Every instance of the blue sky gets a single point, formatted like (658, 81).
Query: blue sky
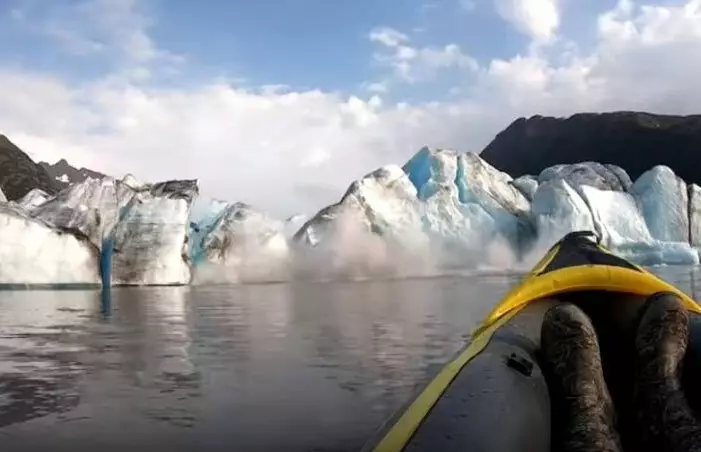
(259, 98)
(303, 44)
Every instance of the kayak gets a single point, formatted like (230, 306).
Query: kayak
(493, 395)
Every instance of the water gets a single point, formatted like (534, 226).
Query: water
(291, 367)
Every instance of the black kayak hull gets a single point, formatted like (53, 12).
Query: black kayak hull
(494, 395)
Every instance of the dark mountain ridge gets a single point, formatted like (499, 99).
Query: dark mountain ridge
(65, 174)
(19, 174)
(635, 141)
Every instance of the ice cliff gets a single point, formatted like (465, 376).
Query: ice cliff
(456, 204)
(442, 209)
(236, 243)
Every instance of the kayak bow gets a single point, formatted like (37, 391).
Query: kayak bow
(493, 395)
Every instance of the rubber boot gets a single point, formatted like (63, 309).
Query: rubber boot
(665, 420)
(583, 413)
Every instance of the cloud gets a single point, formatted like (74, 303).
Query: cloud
(117, 29)
(539, 19)
(414, 64)
(287, 151)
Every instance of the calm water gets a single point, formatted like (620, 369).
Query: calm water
(271, 367)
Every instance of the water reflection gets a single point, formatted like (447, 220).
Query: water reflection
(269, 367)
(39, 349)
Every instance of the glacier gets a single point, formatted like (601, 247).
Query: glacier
(664, 198)
(150, 237)
(34, 198)
(239, 244)
(34, 252)
(440, 211)
(460, 207)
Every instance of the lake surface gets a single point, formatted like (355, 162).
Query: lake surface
(294, 367)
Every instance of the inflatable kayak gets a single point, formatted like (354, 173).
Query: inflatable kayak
(493, 396)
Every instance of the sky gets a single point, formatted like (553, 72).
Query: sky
(283, 103)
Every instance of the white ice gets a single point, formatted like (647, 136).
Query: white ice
(664, 201)
(150, 240)
(35, 198)
(527, 185)
(33, 252)
(695, 215)
(243, 245)
(90, 207)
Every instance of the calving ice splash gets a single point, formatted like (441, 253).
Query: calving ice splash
(442, 211)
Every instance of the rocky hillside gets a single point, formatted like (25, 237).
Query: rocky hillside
(19, 174)
(635, 141)
(65, 174)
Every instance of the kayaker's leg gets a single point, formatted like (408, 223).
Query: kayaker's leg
(582, 408)
(661, 340)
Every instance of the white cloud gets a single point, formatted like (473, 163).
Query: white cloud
(539, 19)
(116, 28)
(288, 151)
(414, 64)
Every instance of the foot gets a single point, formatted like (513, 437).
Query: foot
(665, 420)
(582, 405)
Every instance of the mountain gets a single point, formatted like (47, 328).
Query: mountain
(635, 141)
(65, 174)
(19, 174)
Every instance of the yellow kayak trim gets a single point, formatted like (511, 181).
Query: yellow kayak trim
(536, 286)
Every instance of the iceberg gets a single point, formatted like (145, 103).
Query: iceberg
(527, 185)
(150, 236)
(139, 230)
(90, 207)
(558, 209)
(34, 252)
(442, 209)
(665, 204)
(241, 245)
(590, 174)
(695, 215)
(3, 198)
(441, 205)
(33, 199)
(460, 205)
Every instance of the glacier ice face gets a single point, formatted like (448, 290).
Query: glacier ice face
(612, 213)
(664, 200)
(466, 179)
(3, 198)
(616, 216)
(243, 245)
(527, 185)
(558, 209)
(132, 182)
(34, 252)
(33, 199)
(90, 207)
(441, 209)
(441, 204)
(694, 215)
(383, 202)
(460, 204)
(151, 234)
(591, 174)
